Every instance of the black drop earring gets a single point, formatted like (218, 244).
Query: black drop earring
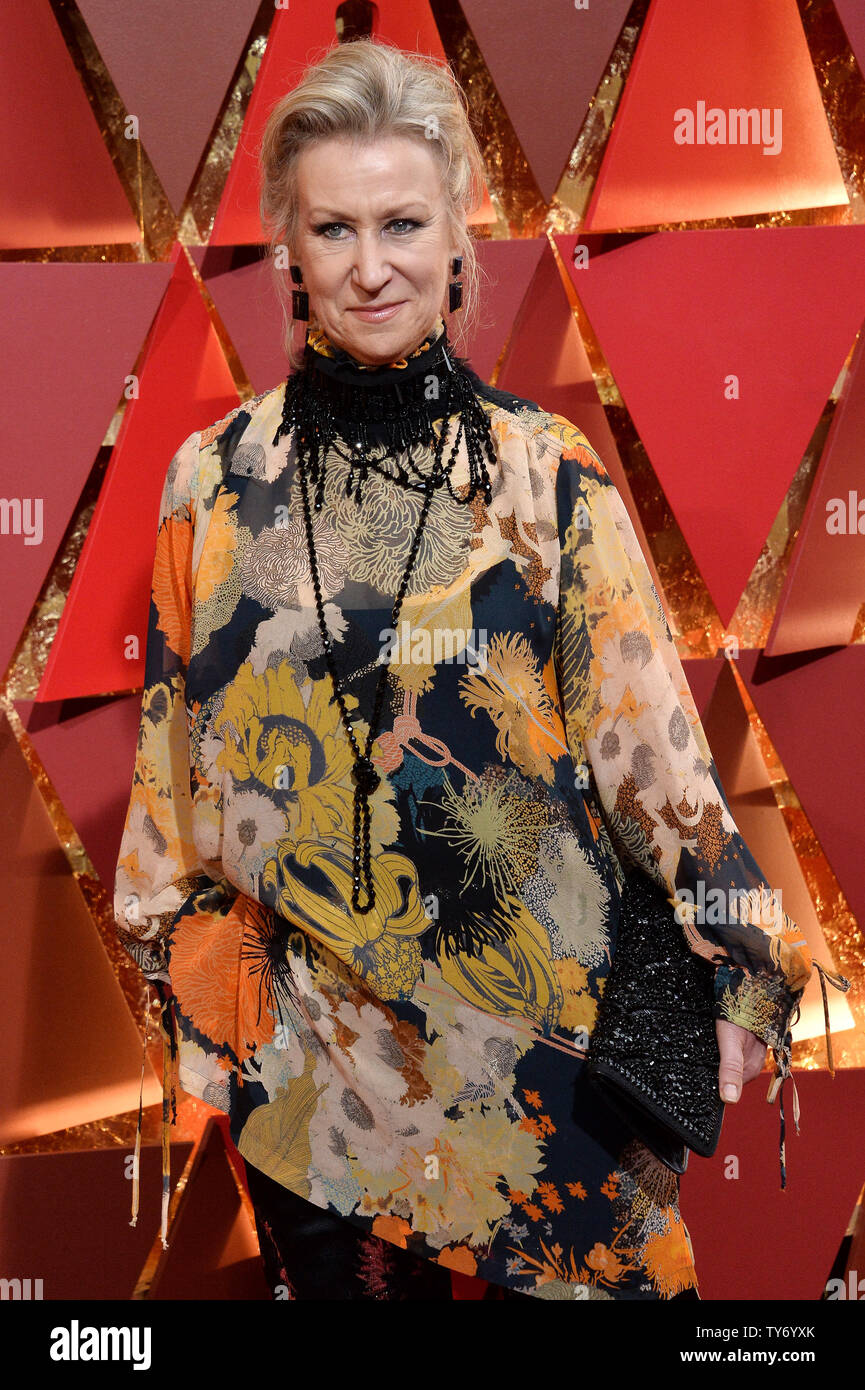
(455, 288)
(299, 298)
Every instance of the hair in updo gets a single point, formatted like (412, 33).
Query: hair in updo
(366, 90)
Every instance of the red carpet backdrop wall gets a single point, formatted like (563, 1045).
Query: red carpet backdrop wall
(672, 236)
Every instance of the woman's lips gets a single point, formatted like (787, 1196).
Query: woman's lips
(378, 315)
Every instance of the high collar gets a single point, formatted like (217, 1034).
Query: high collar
(397, 405)
(353, 391)
(323, 356)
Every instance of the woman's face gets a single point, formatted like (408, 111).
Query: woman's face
(373, 243)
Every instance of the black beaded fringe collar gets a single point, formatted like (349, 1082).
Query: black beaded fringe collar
(380, 415)
(390, 410)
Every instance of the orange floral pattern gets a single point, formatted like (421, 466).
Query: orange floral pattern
(419, 1069)
(171, 583)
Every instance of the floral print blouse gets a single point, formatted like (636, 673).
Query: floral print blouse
(420, 1069)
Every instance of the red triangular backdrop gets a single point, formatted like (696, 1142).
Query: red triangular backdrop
(812, 708)
(184, 384)
(171, 65)
(852, 16)
(732, 54)
(65, 735)
(546, 66)
(824, 587)
(71, 1049)
(507, 270)
(678, 314)
(752, 1240)
(66, 1218)
(59, 186)
(69, 334)
(702, 677)
(546, 362)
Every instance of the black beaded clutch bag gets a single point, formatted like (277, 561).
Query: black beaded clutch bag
(653, 1053)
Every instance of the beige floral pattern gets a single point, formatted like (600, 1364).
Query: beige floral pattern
(419, 1068)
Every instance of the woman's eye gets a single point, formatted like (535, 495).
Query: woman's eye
(334, 231)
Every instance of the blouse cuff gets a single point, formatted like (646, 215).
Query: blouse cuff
(757, 1000)
(762, 1003)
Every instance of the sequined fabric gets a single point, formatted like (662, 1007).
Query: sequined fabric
(654, 1046)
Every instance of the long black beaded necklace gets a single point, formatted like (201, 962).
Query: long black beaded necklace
(322, 409)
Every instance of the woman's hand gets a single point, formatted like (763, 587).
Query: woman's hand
(742, 1058)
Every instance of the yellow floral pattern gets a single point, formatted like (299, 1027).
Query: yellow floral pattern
(419, 1069)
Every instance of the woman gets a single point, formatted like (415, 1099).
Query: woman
(403, 635)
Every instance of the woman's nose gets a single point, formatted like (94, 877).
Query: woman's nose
(371, 269)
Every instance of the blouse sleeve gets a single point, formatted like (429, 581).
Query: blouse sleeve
(161, 873)
(632, 723)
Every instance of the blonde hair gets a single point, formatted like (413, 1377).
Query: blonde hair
(365, 90)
